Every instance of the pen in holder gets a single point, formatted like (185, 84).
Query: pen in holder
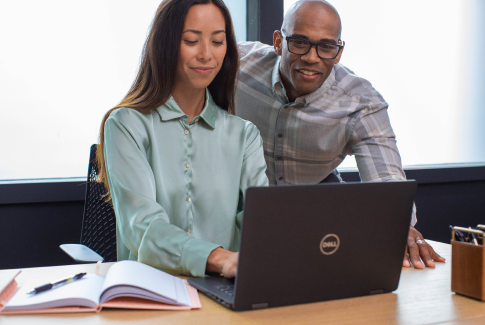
(468, 263)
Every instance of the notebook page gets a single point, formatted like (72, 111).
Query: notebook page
(152, 281)
(125, 291)
(84, 293)
(183, 296)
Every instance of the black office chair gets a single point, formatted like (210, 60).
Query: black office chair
(98, 235)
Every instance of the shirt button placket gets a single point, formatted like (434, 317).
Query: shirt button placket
(188, 176)
(279, 143)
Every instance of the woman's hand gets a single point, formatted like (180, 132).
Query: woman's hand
(222, 261)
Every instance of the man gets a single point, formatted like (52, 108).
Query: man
(312, 111)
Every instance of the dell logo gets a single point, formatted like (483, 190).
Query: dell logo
(329, 244)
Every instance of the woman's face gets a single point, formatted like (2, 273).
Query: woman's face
(202, 47)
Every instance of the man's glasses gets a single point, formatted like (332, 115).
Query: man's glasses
(302, 46)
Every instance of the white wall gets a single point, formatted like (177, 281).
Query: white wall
(63, 64)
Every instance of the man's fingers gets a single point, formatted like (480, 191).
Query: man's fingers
(424, 252)
(414, 254)
(405, 261)
(435, 256)
(420, 251)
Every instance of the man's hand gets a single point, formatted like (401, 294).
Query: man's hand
(223, 261)
(417, 248)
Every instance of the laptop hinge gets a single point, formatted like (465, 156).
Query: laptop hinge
(259, 306)
(376, 292)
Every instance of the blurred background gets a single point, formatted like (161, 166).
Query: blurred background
(63, 64)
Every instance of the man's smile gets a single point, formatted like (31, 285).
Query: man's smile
(308, 74)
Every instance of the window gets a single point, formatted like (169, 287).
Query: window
(63, 64)
(426, 59)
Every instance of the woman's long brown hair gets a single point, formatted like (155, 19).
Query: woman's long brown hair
(155, 79)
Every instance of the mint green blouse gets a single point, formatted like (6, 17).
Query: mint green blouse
(178, 187)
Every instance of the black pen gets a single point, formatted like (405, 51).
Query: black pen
(53, 285)
(458, 235)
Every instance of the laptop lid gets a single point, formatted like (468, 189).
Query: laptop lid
(309, 243)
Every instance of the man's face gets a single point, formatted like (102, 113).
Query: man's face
(303, 74)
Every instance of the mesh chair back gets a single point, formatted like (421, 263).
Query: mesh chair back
(99, 222)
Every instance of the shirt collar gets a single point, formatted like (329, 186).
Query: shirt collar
(209, 113)
(308, 98)
(171, 110)
(275, 76)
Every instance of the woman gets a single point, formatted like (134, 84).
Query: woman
(175, 159)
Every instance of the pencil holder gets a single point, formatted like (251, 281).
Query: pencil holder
(467, 266)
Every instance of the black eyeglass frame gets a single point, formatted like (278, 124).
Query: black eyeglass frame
(289, 38)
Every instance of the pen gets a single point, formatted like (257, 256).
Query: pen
(474, 238)
(52, 285)
(458, 235)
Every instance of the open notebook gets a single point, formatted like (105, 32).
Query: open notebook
(127, 284)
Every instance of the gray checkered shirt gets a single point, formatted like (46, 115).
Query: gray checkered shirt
(306, 139)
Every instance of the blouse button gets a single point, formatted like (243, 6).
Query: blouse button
(186, 132)
(188, 199)
(187, 165)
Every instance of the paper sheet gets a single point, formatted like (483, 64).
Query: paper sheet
(84, 292)
(135, 274)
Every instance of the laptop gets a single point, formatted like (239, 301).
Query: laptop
(309, 243)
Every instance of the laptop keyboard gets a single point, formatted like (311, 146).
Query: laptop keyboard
(226, 289)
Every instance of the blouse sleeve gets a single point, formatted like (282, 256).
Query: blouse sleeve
(253, 171)
(142, 222)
